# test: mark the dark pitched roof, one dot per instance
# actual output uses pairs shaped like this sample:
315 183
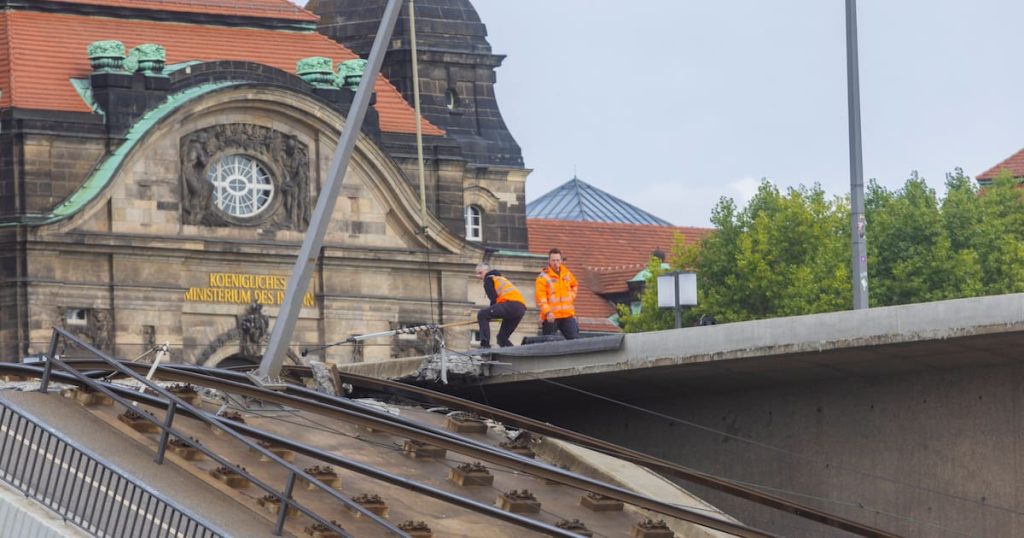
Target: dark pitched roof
581 201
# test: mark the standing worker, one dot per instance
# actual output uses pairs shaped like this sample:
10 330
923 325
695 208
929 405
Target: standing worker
556 291
506 303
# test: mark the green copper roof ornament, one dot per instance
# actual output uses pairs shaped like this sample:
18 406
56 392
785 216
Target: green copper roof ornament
106 56
350 73
148 58
316 70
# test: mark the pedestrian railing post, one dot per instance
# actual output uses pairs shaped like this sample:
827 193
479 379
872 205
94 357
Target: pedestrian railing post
51 353
165 431
286 502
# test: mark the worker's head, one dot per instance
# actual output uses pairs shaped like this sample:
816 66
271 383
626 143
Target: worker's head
482 269
555 259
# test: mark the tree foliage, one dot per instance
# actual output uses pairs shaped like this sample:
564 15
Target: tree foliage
788 253
782 255
910 255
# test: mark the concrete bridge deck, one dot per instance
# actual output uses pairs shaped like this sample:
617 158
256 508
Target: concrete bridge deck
984 331
906 418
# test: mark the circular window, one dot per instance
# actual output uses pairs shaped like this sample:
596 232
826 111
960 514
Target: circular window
241 186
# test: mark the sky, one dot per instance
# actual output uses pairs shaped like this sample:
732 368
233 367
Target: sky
673 104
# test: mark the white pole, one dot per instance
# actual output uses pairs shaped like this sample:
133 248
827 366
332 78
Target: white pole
156 362
152 369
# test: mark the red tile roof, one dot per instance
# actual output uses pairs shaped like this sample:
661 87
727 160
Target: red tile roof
601 254
5 59
1014 163
607 280
41 51
276 9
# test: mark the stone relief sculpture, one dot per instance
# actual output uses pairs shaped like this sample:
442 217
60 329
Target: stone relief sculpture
98 328
198 189
252 327
295 186
285 157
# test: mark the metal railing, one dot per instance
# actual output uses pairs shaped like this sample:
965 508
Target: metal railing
84 489
320 456
174 403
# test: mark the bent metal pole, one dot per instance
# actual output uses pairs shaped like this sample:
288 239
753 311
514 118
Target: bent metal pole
281 335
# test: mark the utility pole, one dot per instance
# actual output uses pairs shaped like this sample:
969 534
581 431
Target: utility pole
858 224
273 358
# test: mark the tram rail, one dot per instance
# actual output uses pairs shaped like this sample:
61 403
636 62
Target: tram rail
309 400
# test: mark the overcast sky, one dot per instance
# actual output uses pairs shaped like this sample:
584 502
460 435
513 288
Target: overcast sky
671 104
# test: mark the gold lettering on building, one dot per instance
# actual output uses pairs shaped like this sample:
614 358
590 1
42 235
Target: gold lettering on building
243 288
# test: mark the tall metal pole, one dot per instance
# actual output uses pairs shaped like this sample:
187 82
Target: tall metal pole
679 321
858 224
419 117
273 358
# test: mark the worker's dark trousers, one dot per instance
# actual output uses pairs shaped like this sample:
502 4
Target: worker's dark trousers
569 328
510 313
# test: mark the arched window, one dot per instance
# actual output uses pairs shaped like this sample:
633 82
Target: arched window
451 99
474 223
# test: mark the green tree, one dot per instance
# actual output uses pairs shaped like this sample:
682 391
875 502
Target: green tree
910 253
961 211
789 253
649 317
784 254
999 241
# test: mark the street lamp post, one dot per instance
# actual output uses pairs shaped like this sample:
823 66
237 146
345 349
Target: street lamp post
858 225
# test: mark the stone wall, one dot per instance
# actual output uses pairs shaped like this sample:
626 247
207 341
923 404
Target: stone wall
457 73
130 270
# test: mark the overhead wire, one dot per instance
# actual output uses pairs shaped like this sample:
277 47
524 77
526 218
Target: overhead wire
853 505
759 443
747 440
859 505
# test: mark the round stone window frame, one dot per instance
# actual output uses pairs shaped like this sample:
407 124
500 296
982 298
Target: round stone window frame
267 211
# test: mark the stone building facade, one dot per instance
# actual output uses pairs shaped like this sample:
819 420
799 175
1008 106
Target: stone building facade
157 176
457 77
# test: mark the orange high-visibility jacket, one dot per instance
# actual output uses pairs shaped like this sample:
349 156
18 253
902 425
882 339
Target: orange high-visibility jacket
556 293
505 291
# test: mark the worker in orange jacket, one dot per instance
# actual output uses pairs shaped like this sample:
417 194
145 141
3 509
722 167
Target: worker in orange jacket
556 292
507 303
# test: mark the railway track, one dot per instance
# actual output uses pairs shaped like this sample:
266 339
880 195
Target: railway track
300 397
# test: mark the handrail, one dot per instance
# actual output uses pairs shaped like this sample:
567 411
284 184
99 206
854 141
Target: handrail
671 468
550 430
345 463
176 402
365 416
336 459
162 517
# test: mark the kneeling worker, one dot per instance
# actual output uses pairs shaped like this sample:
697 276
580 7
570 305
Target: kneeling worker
506 303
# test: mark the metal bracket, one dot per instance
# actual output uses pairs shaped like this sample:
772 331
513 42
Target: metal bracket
266 382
